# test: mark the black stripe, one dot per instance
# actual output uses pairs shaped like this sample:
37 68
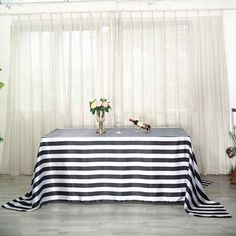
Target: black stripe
197 191
111 159
209 213
204 209
19 208
115 142
205 204
113 151
192 193
109 177
201 212
114 193
112 168
26 199
214 216
113 185
118 168
22 202
29 194
194 171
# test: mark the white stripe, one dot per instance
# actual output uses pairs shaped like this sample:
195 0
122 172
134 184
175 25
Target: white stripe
117 181
16 208
199 207
149 173
198 194
114 198
24 200
114 164
199 184
115 147
195 200
209 215
17 204
108 172
195 209
111 182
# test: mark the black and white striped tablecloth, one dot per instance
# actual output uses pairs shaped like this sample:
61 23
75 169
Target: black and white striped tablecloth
79 165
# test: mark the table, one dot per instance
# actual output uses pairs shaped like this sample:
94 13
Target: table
78 165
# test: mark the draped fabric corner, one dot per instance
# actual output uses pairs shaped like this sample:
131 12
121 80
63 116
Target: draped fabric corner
166 67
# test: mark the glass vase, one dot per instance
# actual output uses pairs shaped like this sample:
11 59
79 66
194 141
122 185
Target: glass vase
100 117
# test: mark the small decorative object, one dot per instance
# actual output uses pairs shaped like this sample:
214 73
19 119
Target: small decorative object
140 124
118 123
231 151
100 107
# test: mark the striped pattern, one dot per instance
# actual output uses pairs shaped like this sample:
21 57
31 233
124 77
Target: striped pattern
149 169
206 183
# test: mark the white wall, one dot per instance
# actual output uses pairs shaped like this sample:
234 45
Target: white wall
229 24
4 65
230 49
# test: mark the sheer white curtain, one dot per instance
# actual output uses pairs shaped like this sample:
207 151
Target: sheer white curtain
167 68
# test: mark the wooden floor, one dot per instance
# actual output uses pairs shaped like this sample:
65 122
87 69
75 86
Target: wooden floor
119 219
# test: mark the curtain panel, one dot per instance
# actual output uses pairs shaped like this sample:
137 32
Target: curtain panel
164 67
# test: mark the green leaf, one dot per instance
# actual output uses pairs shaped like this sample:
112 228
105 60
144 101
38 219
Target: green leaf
1 139
1 84
91 102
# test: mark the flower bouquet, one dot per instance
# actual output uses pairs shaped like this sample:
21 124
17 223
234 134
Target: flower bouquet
99 105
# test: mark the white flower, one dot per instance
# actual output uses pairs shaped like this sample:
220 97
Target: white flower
105 104
98 103
93 105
